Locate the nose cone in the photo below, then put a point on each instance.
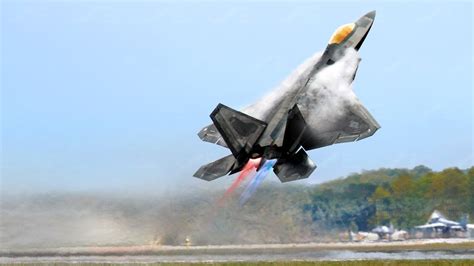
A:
(371, 15)
(366, 20)
(363, 27)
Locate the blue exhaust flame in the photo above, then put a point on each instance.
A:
(256, 181)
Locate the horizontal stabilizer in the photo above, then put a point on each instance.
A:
(216, 169)
(239, 131)
(210, 134)
(294, 167)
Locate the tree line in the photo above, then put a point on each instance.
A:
(402, 197)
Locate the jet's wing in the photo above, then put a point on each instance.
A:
(448, 222)
(352, 122)
(433, 225)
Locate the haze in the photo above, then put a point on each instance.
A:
(110, 95)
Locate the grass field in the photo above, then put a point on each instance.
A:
(301, 263)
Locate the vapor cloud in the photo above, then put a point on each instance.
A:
(326, 97)
(329, 95)
(262, 107)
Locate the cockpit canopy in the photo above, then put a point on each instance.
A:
(341, 33)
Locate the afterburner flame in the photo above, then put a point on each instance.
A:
(247, 171)
(256, 181)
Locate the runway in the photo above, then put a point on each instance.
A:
(447, 249)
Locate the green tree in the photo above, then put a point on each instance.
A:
(449, 192)
(402, 186)
(381, 199)
(470, 192)
(406, 207)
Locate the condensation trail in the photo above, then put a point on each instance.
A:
(247, 171)
(256, 181)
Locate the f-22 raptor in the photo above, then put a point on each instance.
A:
(283, 136)
(438, 222)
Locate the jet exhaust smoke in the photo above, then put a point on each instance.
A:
(91, 219)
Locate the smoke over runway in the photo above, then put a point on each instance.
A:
(95, 219)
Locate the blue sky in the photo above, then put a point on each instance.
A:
(109, 95)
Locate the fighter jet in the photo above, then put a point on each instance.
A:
(438, 222)
(383, 231)
(281, 138)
